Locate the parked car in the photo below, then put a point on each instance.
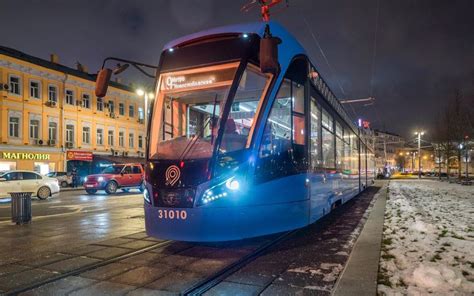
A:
(114, 177)
(63, 178)
(28, 181)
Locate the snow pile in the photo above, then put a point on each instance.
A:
(428, 243)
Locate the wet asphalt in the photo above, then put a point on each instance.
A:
(76, 230)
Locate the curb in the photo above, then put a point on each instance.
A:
(359, 276)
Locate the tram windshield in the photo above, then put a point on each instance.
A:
(193, 104)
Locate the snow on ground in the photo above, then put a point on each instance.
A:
(428, 242)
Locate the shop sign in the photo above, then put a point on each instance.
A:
(79, 155)
(25, 156)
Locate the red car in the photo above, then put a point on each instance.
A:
(117, 176)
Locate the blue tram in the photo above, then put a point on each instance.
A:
(236, 153)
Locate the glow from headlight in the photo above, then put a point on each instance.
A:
(100, 179)
(85, 179)
(232, 184)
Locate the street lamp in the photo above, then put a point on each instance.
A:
(143, 93)
(419, 134)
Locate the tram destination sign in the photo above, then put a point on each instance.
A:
(25, 156)
(179, 81)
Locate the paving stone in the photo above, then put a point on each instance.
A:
(138, 244)
(176, 260)
(206, 266)
(60, 287)
(108, 253)
(12, 268)
(140, 276)
(115, 242)
(138, 235)
(144, 259)
(284, 290)
(104, 288)
(85, 250)
(23, 278)
(173, 248)
(107, 271)
(71, 264)
(176, 281)
(46, 259)
(233, 289)
(150, 292)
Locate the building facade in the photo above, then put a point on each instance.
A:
(50, 119)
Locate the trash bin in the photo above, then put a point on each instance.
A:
(21, 207)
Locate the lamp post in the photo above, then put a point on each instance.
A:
(419, 134)
(146, 96)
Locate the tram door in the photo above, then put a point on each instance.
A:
(318, 190)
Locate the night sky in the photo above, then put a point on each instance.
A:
(425, 49)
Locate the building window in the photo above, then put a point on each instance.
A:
(100, 136)
(52, 131)
(121, 140)
(86, 135)
(86, 101)
(140, 141)
(131, 111)
(34, 129)
(14, 127)
(35, 89)
(111, 107)
(111, 138)
(69, 97)
(69, 135)
(121, 109)
(131, 140)
(52, 94)
(15, 84)
(100, 104)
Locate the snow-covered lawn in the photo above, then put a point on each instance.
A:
(428, 242)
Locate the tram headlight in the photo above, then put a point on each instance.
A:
(221, 190)
(100, 179)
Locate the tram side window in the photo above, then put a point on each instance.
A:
(355, 154)
(315, 137)
(277, 135)
(327, 140)
(339, 146)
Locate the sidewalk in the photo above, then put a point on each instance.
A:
(359, 277)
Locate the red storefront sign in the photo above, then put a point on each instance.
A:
(79, 155)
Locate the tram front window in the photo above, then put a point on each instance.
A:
(191, 106)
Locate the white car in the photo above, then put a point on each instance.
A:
(64, 179)
(27, 181)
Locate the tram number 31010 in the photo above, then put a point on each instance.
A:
(172, 214)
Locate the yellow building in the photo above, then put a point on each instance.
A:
(50, 119)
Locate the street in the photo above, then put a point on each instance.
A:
(95, 244)
(73, 218)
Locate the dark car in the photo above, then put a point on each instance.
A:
(114, 177)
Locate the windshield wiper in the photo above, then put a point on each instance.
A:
(211, 121)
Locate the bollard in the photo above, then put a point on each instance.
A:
(21, 207)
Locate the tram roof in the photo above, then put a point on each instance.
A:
(292, 48)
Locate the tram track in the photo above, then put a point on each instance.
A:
(208, 283)
(87, 268)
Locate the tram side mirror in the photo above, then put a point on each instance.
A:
(102, 82)
(269, 52)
